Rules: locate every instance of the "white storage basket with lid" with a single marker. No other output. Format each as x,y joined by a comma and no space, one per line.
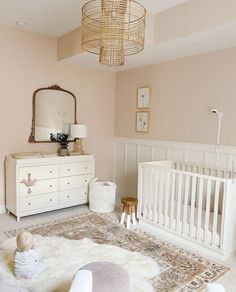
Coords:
102,196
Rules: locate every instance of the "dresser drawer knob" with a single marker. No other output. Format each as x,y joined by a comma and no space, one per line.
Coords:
68,169
50,171
50,186
68,183
50,200
85,180
68,196
86,167
85,193
29,204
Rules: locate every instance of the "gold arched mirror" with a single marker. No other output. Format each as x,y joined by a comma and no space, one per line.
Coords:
54,111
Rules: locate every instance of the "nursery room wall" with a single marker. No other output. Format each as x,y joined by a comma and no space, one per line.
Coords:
28,62
182,93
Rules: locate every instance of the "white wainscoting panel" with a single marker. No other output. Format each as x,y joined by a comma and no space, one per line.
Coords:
2,209
129,152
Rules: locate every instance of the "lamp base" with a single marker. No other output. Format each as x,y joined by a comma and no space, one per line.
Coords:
78,148
62,152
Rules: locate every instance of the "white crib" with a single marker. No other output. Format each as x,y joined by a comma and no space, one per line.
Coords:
192,201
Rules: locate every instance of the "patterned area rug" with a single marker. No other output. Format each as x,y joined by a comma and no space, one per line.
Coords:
180,270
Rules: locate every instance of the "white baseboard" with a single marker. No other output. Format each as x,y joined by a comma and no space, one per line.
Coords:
2,209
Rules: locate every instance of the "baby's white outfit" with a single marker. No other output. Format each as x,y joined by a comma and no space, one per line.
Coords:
28,264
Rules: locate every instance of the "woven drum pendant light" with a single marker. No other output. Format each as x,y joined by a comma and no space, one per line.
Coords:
113,29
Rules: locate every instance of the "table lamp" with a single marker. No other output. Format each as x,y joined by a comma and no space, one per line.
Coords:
78,131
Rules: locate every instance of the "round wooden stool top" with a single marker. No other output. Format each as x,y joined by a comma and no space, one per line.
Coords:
129,201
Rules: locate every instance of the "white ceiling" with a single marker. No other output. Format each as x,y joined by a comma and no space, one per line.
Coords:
155,6
54,18
198,43
57,17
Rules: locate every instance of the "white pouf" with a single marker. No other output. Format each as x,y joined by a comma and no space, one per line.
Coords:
101,277
102,196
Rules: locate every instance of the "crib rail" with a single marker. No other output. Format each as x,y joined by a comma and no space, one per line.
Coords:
204,169
183,202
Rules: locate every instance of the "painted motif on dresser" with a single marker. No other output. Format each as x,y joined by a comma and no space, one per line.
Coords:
29,182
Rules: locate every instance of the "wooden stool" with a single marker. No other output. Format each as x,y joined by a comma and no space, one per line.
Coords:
128,209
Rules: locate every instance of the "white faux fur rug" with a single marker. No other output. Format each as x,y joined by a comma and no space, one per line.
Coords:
64,257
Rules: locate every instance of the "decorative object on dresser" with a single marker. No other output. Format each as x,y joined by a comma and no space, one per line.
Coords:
37,185
78,132
62,139
39,154
54,110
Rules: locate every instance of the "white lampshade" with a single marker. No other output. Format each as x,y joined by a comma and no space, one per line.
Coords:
79,131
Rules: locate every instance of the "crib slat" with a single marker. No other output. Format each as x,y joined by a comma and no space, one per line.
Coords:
223,217
155,214
208,201
160,197
199,215
179,203
215,216
150,194
145,192
140,191
193,195
186,194
192,168
172,201
142,195
167,192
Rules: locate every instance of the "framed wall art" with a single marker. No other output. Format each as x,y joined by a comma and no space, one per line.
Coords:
142,121
143,97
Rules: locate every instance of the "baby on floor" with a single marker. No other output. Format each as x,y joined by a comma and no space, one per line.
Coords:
28,261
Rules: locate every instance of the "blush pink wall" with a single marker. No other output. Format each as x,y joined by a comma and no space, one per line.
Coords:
183,92
27,62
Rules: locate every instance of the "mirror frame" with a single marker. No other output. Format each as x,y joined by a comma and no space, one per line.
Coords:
32,133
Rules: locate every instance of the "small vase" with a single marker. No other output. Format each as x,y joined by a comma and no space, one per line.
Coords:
62,152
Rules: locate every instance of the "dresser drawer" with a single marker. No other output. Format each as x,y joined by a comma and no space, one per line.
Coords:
76,168
38,202
40,187
38,172
74,182
72,196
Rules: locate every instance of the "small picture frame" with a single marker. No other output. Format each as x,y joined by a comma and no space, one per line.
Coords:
142,121
143,97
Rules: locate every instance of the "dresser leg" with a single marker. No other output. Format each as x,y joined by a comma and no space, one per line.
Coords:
8,212
17,219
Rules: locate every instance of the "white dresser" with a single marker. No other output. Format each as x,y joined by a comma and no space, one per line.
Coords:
39,185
